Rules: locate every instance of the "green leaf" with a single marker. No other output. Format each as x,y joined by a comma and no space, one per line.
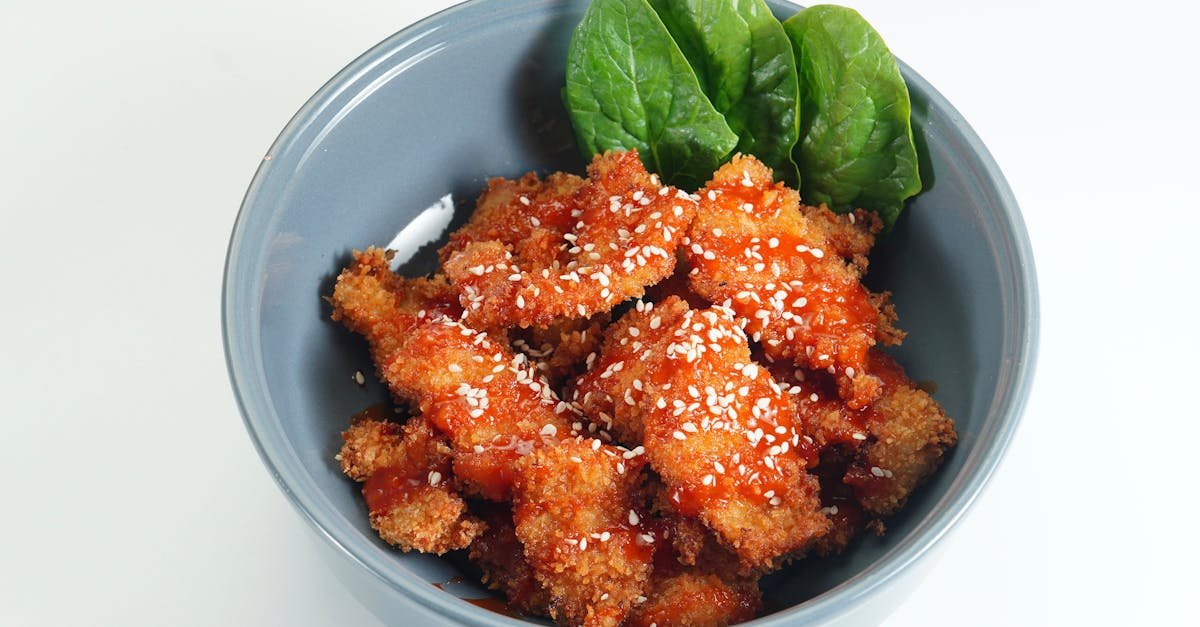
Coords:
745,65
857,147
629,86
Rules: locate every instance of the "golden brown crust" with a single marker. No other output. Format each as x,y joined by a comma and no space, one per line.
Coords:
407,507
715,426
575,513
781,268
907,442
692,598
625,229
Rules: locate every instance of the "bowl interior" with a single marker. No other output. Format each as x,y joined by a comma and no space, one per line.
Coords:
396,148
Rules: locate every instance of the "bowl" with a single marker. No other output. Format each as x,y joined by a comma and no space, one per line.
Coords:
393,151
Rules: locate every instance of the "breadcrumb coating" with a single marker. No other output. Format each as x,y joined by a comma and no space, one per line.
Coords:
576,514
714,424
626,226
781,269
411,496
490,404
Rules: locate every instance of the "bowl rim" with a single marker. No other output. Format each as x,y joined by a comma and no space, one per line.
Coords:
253,400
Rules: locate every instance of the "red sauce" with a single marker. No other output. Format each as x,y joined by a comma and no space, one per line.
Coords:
495,605
389,488
821,302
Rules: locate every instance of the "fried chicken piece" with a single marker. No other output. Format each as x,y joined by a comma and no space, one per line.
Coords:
575,512
781,269
714,425
560,351
894,444
501,557
529,214
490,404
908,435
625,229
412,498
695,599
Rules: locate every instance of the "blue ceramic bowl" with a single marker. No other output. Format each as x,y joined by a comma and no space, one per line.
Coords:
417,124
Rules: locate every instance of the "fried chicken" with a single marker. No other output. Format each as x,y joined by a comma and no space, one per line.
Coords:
621,237
714,425
890,447
908,435
782,270
490,404
575,513
694,599
411,495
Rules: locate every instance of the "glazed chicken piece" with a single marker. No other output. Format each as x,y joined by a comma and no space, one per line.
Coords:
576,514
585,253
412,497
714,425
490,404
783,269
510,439
889,447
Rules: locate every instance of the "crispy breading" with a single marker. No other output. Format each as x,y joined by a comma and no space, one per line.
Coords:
691,598
411,496
560,351
501,557
623,238
715,426
529,214
752,248
490,403
575,512
909,434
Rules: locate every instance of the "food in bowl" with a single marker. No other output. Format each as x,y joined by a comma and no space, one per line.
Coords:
735,414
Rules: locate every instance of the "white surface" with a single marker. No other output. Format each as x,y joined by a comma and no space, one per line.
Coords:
133,495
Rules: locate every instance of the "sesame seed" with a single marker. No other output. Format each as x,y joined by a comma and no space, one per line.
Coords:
678,435
524,201
708,480
549,430
435,477
583,544
455,368
877,471
633,517
595,445
359,378
859,436
604,537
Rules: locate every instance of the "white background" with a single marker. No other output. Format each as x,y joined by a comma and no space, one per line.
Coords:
132,495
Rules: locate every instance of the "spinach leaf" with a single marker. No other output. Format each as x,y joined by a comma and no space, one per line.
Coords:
857,147
745,64
629,86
